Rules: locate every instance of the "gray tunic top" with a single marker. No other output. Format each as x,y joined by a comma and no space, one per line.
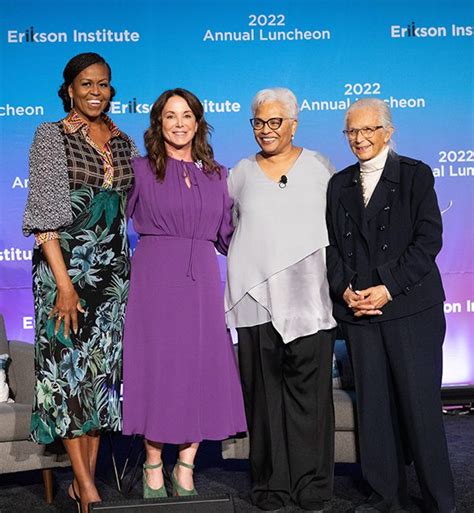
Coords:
276,262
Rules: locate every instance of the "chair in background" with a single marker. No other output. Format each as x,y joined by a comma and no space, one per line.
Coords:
17,453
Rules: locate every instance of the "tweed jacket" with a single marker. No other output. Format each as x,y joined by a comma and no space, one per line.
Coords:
48,207
393,241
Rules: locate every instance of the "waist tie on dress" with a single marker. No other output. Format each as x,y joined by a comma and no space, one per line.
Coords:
176,237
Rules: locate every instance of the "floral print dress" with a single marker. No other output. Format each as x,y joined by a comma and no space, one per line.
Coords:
78,376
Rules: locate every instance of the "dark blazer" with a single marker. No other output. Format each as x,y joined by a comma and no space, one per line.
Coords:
393,241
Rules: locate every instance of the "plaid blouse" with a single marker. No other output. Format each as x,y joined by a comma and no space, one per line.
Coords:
88,164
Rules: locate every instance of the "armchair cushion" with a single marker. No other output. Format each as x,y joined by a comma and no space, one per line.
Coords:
21,373
15,421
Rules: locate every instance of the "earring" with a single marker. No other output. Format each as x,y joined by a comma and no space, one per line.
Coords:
292,136
72,103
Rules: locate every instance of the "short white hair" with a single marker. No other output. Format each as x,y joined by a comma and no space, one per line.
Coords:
380,106
277,94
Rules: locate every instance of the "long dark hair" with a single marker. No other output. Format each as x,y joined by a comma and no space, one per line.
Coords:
75,66
155,144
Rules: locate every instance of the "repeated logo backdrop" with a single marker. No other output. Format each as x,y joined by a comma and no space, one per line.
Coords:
417,56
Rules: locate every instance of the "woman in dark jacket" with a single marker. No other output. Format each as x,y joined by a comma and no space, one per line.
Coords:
385,232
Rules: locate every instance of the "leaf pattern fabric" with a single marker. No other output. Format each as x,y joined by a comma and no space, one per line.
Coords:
78,376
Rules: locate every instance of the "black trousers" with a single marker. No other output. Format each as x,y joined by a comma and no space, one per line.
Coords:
398,370
290,415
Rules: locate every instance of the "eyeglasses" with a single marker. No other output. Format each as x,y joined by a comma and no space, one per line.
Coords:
272,123
367,132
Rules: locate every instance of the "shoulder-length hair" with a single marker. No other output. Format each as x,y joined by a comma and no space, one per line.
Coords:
155,144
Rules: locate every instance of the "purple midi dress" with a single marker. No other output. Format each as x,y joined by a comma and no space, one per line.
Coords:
180,377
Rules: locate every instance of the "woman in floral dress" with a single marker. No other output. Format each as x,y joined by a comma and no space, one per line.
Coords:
80,172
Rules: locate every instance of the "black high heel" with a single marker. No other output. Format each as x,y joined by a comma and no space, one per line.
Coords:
76,498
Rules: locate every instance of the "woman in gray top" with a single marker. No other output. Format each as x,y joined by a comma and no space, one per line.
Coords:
277,297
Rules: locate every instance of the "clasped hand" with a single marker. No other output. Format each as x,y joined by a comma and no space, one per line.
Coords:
366,302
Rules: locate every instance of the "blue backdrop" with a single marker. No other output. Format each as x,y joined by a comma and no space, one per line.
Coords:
417,55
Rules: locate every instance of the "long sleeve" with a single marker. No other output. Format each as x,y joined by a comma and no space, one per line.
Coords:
48,206
340,274
418,259
226,228
133,193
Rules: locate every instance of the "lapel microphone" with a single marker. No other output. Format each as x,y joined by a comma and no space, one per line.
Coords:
282,181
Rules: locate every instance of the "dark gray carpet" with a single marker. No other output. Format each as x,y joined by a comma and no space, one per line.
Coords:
23,492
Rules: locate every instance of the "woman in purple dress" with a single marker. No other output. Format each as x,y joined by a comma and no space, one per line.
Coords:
181,383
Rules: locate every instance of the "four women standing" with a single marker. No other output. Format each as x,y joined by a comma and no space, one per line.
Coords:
180,378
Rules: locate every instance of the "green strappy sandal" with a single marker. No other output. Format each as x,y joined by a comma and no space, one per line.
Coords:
178,490
152,493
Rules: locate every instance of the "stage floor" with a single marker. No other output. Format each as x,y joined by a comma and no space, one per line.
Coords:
23,493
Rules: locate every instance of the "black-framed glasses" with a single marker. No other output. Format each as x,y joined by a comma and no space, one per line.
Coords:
272,123
367,132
